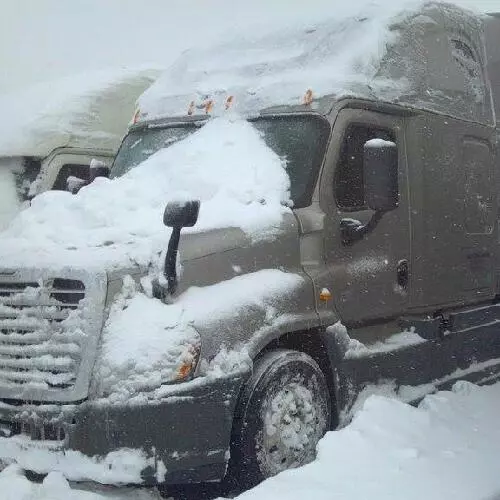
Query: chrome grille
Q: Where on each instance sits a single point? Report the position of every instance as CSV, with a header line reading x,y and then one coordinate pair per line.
x,y
40,431
40,338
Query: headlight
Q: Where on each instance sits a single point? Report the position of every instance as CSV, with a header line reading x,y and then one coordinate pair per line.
x,y
145,345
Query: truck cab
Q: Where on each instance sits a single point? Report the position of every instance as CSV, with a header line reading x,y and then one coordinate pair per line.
x,y
225,344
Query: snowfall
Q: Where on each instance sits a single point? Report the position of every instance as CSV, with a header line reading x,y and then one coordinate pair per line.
x,y
446,447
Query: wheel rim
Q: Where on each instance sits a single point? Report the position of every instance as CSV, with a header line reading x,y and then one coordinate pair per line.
x,y
294,418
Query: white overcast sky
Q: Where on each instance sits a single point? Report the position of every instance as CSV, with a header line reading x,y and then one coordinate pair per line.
x,y
45,39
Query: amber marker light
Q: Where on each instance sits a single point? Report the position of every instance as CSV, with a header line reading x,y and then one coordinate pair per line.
x,y
209,106
325,295
229,102
308,97
137,114
184,370
187,366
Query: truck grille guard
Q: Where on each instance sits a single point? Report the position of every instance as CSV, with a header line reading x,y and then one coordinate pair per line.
x,y
50,324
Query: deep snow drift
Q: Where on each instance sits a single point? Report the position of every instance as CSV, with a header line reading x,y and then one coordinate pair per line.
x,y
447,448
226,165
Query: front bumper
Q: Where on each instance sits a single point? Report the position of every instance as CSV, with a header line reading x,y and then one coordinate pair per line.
x,y
184,438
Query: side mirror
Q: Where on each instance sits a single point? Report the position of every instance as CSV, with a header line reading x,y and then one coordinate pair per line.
x,y
181,214
98,169
177,215
74,184
380,169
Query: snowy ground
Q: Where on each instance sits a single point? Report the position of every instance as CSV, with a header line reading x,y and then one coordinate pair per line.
x,y
446,448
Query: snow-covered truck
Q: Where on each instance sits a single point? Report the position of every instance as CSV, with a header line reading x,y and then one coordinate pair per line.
x,y
330,200
53,131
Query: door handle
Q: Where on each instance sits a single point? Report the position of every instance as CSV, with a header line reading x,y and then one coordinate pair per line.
x,y
403,273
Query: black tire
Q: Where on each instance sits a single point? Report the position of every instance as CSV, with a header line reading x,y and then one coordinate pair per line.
x,y
283,412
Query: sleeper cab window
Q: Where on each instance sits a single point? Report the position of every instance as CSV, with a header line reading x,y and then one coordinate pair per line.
x,y
349,186
470,66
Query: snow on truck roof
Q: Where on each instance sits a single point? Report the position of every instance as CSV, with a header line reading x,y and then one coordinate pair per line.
x,y
414,53
88,111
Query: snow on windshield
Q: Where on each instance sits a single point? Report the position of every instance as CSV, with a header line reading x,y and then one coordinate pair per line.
x,y
279,68
226,165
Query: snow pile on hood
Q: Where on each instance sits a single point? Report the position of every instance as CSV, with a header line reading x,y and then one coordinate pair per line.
x,y
279,68
92,110
145,341
226,165
448,447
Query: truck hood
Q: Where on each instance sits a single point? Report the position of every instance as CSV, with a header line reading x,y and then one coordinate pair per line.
x,y
221,254
117,223
215,255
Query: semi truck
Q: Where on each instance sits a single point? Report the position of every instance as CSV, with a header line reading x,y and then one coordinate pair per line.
x,y
389,249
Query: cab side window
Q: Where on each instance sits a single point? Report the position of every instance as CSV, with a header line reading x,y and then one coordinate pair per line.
x,y
470,66
348,182
68,170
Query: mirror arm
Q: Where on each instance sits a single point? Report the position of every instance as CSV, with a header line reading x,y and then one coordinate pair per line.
x,y
353,232
170,269
177,215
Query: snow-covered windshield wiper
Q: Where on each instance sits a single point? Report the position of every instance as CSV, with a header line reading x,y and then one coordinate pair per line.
x,y
140,144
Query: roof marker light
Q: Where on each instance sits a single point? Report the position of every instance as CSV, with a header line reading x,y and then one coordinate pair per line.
x,y
208,106
308,97
229,102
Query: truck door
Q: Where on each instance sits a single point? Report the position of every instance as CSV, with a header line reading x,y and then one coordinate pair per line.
x,y
370,277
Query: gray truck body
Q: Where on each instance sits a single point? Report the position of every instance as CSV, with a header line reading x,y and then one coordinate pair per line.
x,y
432,263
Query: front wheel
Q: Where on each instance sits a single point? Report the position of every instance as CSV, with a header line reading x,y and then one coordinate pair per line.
x,y
283,412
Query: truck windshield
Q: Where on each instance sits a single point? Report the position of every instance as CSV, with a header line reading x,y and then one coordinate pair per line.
x,y
299,139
